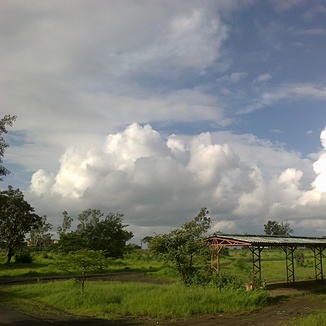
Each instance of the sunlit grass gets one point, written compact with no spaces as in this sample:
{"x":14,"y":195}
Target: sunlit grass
{"x":115,"y":299}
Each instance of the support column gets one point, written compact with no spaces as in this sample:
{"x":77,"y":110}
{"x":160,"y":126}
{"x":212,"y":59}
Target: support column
{"x":256,"y":264}
{"x":215,"y":257}
{"x":318,"y":256}
{"x":289,"y":256}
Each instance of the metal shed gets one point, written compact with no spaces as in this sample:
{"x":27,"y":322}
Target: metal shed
{"x":256,"y":244}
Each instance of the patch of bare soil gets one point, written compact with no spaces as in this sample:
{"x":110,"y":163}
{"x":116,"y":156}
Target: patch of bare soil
{"x":288,"y":301}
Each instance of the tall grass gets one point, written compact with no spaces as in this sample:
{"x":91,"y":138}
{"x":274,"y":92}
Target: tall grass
{"x":115,"y":299}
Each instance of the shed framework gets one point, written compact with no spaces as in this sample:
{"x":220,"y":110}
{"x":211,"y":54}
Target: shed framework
{"x":256,"y":244}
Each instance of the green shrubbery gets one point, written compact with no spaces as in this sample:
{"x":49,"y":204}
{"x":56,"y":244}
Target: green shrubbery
{"x":24,"y":257}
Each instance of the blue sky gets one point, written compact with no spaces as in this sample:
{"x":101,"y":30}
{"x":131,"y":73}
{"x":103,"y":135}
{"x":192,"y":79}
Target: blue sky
{"x":167,"y":106}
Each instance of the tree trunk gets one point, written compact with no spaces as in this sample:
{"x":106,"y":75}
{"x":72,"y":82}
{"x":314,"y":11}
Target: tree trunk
{"x":9,"y":255}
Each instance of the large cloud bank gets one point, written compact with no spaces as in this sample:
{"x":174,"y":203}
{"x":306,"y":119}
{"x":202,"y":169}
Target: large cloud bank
{"x":161,"y":182}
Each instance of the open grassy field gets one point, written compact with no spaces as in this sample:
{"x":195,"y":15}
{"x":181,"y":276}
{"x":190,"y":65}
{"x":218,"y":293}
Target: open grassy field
{"x":159,"y":301}
{"x":116,"y":299}
{"x":238,"y":263}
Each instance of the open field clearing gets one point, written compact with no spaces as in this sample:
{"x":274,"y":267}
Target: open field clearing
{"x":139,"y":290}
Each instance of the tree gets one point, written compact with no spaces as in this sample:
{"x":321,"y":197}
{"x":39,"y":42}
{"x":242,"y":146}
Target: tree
{"x":146,"y":239}
{"x":6,"y":120}
{"x":17,"y":218}
{"x":40,"y":238}
{"x":82,"y":262}
{"x":181,"y":246}
{"x":276,"y":228}
{"x":70,"y":242}
{"x":97,"y":231}
{"x":66,"y":224}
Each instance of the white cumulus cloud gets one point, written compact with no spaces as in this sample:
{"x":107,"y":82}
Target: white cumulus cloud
{"x":160,"y":182}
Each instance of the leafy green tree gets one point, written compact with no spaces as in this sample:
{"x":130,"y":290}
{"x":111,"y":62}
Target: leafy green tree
{"x":82,"y":262}
{"x":146,"y":239}
{"x":88,"y":219}
{"x":17,"y":218}
{"x":7,"y":120}
{"x":97,"y":231}
{"x":183,"y":245}
{"x":70,"y":242}
{"x":40,"y":238}
{"x":105,"y":233}
{"x":276,"y":228}
{"x":66,"y":224}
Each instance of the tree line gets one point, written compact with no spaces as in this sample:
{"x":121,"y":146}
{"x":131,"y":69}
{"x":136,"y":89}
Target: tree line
{"x":95,"y":230}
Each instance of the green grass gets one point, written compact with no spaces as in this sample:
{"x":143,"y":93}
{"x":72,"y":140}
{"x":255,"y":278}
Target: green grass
{"x":317,"y":319}
{"x":115,"y":299}
{"x":46,"y":265}
{"x":272,"y":265}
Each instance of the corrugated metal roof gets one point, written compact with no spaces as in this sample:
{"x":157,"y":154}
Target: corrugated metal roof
{"x":264,"y":240}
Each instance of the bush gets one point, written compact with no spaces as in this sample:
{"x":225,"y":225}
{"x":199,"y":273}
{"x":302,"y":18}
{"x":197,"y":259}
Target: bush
{"x":225,"y":280}
{"x":201,"y":276}
{"x":299,"y":258}
{"x":24,"y":257}
{"x":47,"y":256}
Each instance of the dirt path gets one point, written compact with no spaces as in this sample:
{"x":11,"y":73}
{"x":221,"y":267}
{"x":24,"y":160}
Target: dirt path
{"x":303,"y":300}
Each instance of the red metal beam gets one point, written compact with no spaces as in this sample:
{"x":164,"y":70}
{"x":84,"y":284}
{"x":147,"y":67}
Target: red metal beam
{"x":216,"y":242}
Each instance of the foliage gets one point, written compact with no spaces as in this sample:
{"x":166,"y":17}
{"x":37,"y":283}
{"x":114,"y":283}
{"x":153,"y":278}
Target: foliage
{"x":7,"y":120}
{"x":24,"y":257}
{"x":66,"y":224}
{"x":183,"y":245}
{"x":17,"y":218}
{"x":146,"y":240}
{"x":70,"y":242}
{"x":81,"y":263}
{"x":40,"y":238}
{"x":96,"y":231}
{"x":276,"y":228}
{"x":117,"y":299}
{"x":299,"y":258}
{"x":226,"y":281}
{"x":47,"y":264}
{"x":272,"y":265}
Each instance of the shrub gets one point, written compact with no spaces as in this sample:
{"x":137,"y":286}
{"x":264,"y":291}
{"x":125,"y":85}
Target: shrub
{"x":299,"y":258}
{"x":24,"y":257}
{"x":224,"y":280}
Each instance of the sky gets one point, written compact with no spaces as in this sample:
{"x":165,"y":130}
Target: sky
{"x":155,"y":109}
